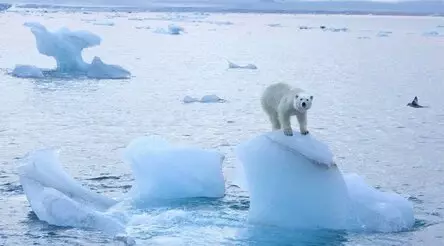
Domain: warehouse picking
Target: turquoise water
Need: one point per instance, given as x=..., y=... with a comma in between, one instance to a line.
x=362, y=81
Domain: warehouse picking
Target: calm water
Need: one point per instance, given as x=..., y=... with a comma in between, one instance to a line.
x=361, y=83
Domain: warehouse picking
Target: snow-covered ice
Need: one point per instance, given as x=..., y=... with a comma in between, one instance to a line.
x=66, y=47
x=27, y=71
x=236, y=66
x=164, y=171
x=292, y=183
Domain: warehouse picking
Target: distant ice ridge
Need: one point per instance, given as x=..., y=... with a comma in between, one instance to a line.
x=162, y=172
x=66, y=47
x=293, y=183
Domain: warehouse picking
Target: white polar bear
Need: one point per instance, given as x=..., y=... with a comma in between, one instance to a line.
x=280, y=102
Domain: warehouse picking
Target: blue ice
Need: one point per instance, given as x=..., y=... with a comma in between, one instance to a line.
x=66, y=47
x=294, y=182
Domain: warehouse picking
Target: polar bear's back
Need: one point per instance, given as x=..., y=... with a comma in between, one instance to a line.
x=274, y=94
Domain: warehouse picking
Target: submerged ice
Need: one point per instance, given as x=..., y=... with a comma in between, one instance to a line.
x=66, y=47
x=292, y=183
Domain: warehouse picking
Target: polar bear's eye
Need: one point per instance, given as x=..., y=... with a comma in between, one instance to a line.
x=301, y=99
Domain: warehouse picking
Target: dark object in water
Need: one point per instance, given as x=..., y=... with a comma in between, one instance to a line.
x=323, y=27
x=414, y=103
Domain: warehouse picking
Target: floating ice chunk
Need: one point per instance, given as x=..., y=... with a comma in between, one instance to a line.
x=163, y=171
x=27, y=71
x=338, y=29
x=64, y=45
x=383, y=33
x=172, y=29
x=188, y=99
x=136, y=19
x=128, y=241
x=211, y=99
x=221, y=23
x=431, y=34
x=99, y=70
x=104, y=23
x=59, y=200
x=248, y=66
x=292, y=183
x=143, y=27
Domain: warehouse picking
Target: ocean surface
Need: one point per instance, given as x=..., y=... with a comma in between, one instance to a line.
x=361, y=77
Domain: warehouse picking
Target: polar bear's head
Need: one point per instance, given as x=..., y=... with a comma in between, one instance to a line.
x=302, y=102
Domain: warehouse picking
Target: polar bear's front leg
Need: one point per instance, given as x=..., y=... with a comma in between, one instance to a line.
x=302, y=119
x=284, y=119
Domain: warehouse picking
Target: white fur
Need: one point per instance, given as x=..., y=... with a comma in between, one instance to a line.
x=280, y=102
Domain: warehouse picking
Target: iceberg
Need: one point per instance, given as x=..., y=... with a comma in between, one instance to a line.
x=236, y=66
x=164, y=172
x=294, y=182
x=27, y=71
x=66, y=47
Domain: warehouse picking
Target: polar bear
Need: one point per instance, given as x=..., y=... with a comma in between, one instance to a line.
x=280, y=102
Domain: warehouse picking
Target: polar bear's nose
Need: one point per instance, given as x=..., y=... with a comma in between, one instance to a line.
x=304, y=104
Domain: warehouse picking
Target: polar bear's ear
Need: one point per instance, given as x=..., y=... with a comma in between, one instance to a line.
x=296, y=96
x=311, y=97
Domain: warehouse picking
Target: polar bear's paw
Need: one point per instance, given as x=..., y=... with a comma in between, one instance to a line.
x=305, y=132
x=288, y=132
